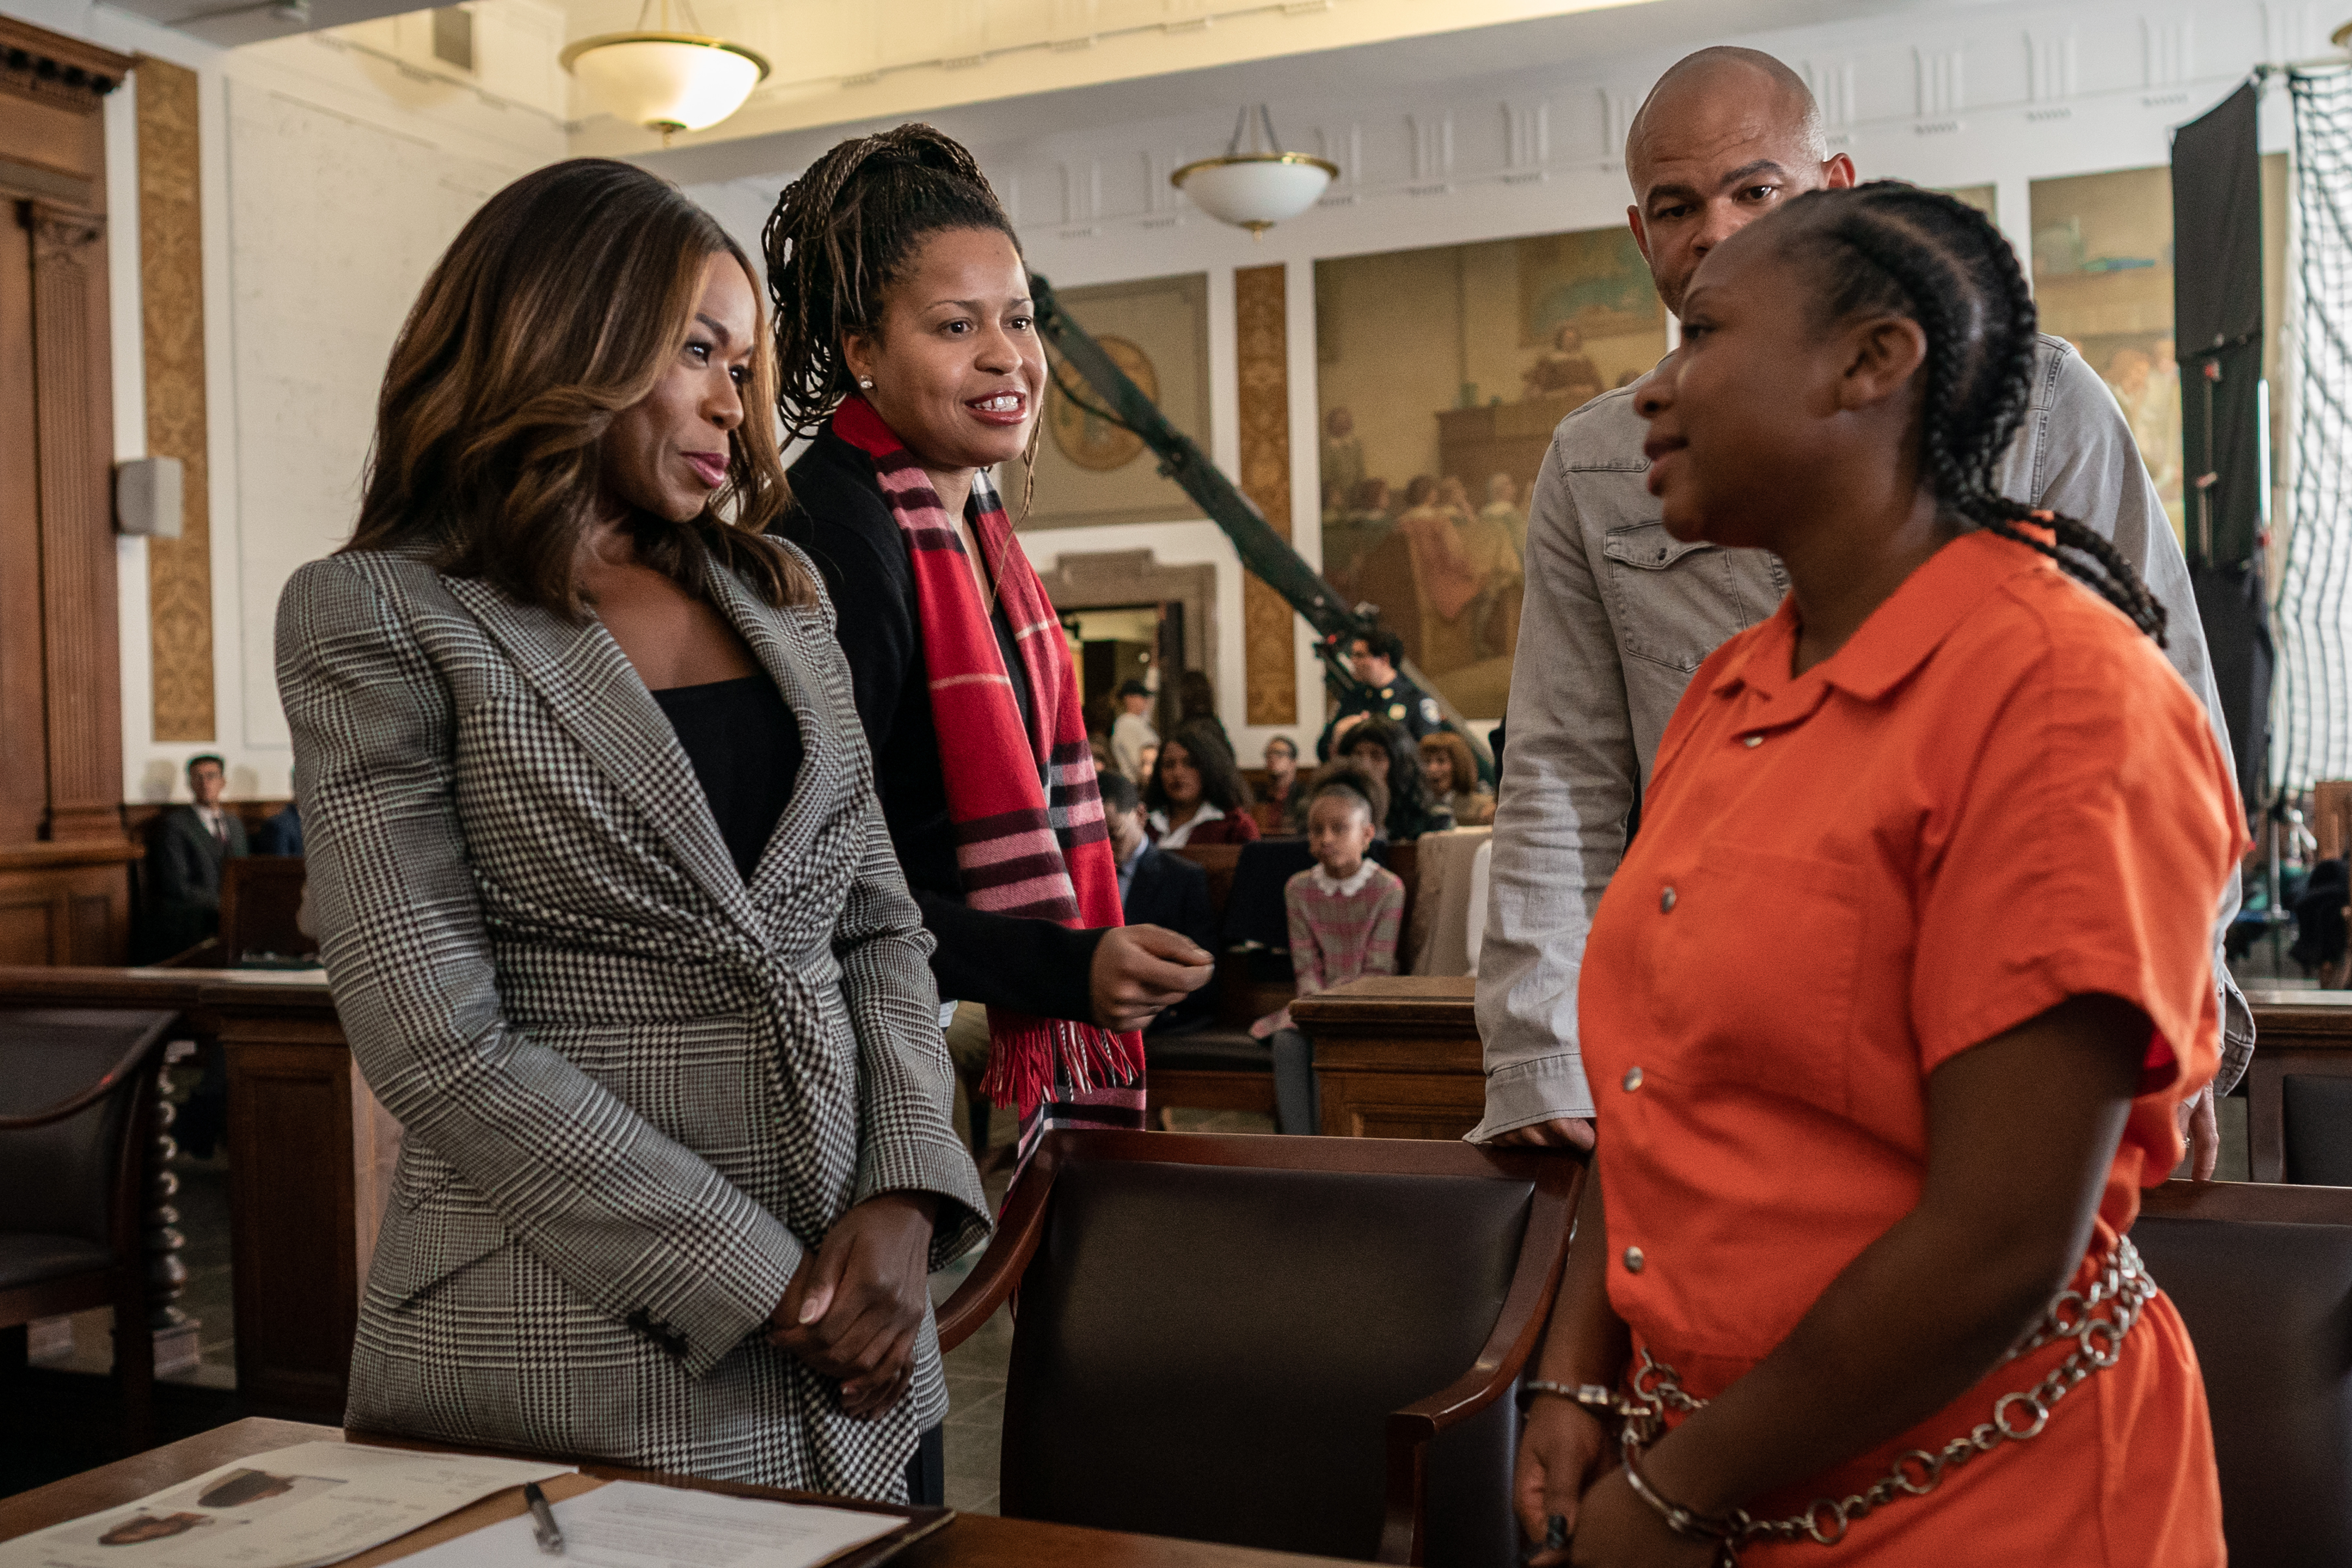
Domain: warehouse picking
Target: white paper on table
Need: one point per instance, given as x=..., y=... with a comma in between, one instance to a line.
x=291, y=1508
x=630, y=1524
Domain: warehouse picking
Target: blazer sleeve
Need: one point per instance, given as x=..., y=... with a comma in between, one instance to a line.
x=635, y=1223
x=905, y=1102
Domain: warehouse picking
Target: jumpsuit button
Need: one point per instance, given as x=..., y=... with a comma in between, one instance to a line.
x=1666, y=900
x=1633, y=1261
x=1755, y=740
x=1632, y=1079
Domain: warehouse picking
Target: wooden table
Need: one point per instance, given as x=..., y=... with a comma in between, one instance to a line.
x=1398, y=1056
x=970, y=1540
x=2299, y=1032
x=311, y=1160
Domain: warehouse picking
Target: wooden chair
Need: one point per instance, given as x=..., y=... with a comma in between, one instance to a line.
x=77, y=1113
x=1301, y=1344
x=2263, y=1276
x=261, y=901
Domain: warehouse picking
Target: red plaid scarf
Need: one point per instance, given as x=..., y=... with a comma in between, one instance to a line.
x=1030, y=841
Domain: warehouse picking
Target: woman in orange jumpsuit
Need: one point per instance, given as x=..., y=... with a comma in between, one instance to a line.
x=1892, y=1005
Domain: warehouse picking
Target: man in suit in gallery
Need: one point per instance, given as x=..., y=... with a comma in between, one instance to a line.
x=189, y=846
x=1157, y=887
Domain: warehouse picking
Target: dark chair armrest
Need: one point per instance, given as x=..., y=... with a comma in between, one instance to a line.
x=1527, y=1308
x=998, y=1273
x=134, y=1061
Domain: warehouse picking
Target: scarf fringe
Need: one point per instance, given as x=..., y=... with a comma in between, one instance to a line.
x=1026, y=1050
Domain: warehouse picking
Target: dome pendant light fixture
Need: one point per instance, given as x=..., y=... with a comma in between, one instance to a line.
x=664, y=81
x=1259, y=188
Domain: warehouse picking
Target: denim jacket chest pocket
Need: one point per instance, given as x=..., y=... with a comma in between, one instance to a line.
x=1675, y=601
x=1750, y=965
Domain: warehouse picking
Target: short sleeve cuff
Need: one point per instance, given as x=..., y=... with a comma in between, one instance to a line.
x=1542, y=1088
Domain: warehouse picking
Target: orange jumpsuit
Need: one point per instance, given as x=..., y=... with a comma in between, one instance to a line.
x=1996, y=795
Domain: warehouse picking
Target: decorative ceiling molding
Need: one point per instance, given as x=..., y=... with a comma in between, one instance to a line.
x=46, y=65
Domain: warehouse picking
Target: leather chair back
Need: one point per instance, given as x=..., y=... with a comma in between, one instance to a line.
x=2262, y=1274
x=1213, y=1353
x=59, y=1179
x=2318, y=1112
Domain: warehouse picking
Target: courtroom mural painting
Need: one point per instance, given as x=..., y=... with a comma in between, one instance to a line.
x=1091, y=470
x=1440, y=374
x=2103, y=280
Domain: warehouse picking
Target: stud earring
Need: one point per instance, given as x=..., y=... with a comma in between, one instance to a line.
x=866, y=382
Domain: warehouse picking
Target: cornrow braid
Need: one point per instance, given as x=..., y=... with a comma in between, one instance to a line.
x=1942, y=263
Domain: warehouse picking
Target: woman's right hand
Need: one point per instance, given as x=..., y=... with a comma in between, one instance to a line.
x=1563, y=1450
x=1140, y=969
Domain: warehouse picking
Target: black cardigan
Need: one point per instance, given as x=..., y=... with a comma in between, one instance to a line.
x=841, y=520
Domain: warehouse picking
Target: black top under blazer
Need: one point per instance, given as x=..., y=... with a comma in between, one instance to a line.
x=842, y=522
x=637, y=1088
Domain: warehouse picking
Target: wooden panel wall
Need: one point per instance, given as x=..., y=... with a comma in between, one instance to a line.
x=1260, y=322
x=64, y=887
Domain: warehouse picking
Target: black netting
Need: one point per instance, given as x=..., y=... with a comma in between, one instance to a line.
x=2313, y=719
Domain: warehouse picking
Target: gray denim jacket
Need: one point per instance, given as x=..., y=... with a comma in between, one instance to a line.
x=1619, y=614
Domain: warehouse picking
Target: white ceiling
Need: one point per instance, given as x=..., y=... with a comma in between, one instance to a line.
x=1568, y=44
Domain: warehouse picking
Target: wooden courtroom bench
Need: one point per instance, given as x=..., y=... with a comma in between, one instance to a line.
x=2307, y=1037
x=1398, y=1056
x=1220, y=1067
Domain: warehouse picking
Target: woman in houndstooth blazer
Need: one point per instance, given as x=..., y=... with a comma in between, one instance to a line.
x=670, y=1112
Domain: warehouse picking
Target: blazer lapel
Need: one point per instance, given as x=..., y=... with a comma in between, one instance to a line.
x=595, y=692
x=761, y=629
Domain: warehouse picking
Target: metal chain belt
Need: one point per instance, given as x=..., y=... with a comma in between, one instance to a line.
x=2120, y=1285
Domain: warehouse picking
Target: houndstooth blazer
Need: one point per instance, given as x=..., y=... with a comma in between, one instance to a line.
x=635, y=1089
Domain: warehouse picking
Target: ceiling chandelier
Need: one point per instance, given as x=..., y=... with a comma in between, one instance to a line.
x=1259, y=188
x=664, y=81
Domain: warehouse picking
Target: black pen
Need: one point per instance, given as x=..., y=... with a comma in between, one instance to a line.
x=542, y=1520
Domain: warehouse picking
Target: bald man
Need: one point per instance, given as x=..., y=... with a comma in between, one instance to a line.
x=1619, y=613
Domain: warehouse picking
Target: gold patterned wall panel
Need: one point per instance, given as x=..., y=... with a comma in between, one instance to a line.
x=172, y=305
x=1261, y=326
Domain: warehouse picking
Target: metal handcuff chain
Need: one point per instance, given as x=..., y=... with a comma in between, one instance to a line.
x=2121, y=1285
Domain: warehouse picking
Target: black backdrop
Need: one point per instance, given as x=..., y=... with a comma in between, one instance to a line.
x=2217, y=242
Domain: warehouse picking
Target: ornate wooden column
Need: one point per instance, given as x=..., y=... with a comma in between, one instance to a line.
x=1262, y=326
x=64, y=889
x=74, y=436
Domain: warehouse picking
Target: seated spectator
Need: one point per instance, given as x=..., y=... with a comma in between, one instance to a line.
x=1387, y=752
x=1281, y=811
x=1196, y=704
x=1345, y=911
x=282, y=834
x=1162, y=889
x=190, y=845
x=1452, y=775
x=1196, y=794
x=1131, y=733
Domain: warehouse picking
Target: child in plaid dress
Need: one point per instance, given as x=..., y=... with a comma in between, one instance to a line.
x=1345, y=911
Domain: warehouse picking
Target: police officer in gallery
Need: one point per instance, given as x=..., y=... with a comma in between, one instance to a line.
x=1373, y=657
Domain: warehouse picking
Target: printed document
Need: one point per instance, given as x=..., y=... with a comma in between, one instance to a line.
x=291, y=1508
x=629, y=1524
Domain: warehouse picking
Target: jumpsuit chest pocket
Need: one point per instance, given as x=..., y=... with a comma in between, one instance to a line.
x=1750, y=968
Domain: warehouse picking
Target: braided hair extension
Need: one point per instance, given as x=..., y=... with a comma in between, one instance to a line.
x=841, y=235
x=1891, y=246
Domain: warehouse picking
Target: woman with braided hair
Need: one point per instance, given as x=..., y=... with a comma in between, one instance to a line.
x=908, y=355
x=1896, y=995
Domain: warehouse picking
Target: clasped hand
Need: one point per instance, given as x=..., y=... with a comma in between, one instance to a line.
x=1567, y=1467
x=855, y=1305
